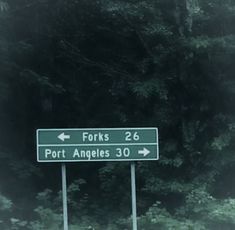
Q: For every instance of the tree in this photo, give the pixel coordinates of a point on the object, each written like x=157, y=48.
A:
x=121, y=64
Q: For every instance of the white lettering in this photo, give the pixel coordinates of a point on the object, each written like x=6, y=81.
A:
x=76, y=153
x=84, y=136
x=55, y=153
x=106, y=137
x=95, y=137
x=107, y=154
x=91, y=154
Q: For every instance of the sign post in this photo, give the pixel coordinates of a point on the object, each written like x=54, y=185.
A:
x=64, y=196
x=133, y=197
x=97, y=144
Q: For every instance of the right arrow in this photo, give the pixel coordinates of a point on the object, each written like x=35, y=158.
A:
x=144, y=152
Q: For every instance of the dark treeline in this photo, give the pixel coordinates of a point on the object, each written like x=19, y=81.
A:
x=97, y=63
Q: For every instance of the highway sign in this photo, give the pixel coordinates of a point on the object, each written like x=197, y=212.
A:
x=97, y=144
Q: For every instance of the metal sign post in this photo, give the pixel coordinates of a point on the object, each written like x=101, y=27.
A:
x=133, y=197
x=64, y=196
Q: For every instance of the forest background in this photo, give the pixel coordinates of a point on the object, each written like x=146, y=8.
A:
x=113, y=63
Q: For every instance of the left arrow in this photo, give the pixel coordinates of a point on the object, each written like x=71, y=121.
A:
x=62, y=136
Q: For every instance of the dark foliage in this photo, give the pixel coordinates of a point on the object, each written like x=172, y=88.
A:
x=158, y=63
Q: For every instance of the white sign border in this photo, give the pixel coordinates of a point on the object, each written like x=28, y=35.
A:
x=94, y=129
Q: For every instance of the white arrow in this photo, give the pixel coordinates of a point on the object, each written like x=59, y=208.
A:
x=145, y=152
x=62, y=136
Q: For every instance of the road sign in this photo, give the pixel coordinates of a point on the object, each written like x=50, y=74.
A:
x=97, y=144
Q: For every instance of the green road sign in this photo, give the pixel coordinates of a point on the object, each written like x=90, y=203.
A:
x=98, y=144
